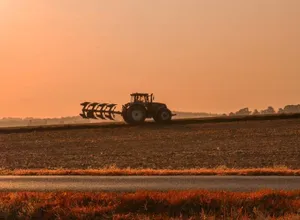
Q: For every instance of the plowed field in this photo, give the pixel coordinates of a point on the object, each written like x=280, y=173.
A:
x=233, y=144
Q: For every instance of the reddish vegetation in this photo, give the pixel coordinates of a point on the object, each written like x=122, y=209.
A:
x=137, y=205
x=118, y=171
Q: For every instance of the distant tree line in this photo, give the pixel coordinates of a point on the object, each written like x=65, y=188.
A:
x=288, y=109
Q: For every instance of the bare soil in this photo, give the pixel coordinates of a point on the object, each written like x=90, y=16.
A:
x=243, y=144
x=113, y=171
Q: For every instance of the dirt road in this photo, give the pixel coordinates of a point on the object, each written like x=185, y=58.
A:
x=134, y=183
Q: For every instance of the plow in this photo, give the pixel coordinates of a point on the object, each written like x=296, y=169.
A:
x=94, y=110
x=140, y=107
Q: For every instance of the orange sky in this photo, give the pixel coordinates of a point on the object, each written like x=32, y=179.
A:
x=196, y=55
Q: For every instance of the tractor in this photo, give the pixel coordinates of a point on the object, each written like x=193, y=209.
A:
x=140, y=108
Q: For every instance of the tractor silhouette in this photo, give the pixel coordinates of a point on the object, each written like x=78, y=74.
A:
x=140, y=107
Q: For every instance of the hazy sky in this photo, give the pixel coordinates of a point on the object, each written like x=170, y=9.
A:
x=195, y=55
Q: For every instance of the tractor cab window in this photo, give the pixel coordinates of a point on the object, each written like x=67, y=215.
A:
x=145, y=98
x=136, y=99
x=139, y=98
x=133, y=99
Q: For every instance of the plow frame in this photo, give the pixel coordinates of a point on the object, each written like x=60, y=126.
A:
x=96, y=110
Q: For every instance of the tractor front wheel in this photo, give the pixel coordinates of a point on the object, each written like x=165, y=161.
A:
x=136, y=114
x=163, y=116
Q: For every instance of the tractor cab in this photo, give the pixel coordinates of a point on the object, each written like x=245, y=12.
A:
x=142, y=98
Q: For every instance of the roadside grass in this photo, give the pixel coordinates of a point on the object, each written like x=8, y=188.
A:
x=115, y=171
x=151, y=205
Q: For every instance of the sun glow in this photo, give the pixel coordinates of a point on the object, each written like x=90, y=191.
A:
x=4, y=6
x=6, y=12
x=204, y=51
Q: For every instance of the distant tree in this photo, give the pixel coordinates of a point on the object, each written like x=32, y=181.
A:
x=269, y=110
x=280, y=111
x=231, y=114
x=243, y=111
x=292, y=109
x=255, y=112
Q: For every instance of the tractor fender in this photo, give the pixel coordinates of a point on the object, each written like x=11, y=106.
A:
x=136, y=104
x=159, y=108
x=129, y=105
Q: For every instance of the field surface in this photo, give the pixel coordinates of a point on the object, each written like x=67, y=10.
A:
x=240, y=144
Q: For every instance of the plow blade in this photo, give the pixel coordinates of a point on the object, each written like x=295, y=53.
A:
x=95, y=110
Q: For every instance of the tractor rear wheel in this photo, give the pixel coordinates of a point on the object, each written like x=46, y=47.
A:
x=136, y=114
x=164, y=115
